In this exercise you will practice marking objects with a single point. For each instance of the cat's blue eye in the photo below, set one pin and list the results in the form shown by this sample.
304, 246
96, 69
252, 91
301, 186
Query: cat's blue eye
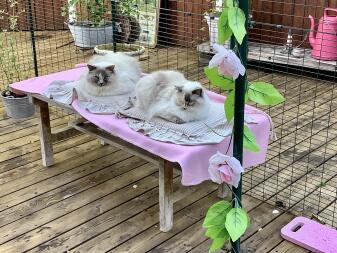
106, 79
96, 78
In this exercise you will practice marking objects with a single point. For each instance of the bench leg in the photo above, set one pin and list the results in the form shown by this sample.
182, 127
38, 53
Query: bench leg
166, 196
224, 192
45, 134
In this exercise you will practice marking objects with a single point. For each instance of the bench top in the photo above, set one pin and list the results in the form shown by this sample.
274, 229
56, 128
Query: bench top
193, 160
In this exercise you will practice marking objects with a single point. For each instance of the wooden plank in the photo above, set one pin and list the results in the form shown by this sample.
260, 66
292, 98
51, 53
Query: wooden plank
165, 195
288, 247
50, 192
33, 159
20, 125
142, 221
28, 130
22, 146
130, 202
45, 135
296, 187
151, 237
93, 130
17, 179
303, 140
194, 234
265, 239
43, 232
64, 133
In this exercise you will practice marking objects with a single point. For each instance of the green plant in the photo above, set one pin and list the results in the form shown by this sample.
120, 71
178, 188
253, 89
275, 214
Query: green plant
216, 8
9, 63
97, 10
225, 220
128, 7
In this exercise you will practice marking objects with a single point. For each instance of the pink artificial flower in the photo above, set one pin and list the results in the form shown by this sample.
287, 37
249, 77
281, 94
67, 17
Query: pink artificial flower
227, 61
225, 169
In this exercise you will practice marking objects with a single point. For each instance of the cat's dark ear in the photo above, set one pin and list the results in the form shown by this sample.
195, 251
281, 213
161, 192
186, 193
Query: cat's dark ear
179, 88
111, 68
91, 67
197, 92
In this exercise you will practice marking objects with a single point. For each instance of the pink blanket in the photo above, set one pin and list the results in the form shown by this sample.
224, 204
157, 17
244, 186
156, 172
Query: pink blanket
192, 159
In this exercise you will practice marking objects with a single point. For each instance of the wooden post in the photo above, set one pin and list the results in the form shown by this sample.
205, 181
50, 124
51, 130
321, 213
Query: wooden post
45, 133
165, 195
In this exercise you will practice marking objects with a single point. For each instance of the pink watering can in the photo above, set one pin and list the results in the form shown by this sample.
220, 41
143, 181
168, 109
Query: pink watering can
324, 42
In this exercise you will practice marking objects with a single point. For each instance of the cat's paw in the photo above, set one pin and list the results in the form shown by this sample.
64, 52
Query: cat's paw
178, 120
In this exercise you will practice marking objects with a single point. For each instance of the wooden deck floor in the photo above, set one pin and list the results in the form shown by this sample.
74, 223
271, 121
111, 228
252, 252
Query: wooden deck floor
98, 199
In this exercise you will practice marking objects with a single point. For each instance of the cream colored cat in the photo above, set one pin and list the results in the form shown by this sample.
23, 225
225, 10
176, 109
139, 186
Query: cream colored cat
109, 75
170, 96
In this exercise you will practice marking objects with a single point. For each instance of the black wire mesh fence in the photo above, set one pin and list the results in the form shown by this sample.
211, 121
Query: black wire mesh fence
300, 173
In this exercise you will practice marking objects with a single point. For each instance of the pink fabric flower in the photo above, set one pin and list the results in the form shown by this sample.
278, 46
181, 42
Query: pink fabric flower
225, 169
227, 61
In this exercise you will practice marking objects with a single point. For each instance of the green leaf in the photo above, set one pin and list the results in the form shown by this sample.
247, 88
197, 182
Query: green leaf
216, 214
224, 31
229, 106
229, 3
217, 244
223, 82
249, 140
218, 231
264, 94
237, 221
236, 20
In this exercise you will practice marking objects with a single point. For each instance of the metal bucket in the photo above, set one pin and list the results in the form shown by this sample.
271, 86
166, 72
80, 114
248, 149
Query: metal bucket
18, 108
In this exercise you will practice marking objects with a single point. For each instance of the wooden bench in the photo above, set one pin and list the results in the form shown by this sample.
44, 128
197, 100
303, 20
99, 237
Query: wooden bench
47, 138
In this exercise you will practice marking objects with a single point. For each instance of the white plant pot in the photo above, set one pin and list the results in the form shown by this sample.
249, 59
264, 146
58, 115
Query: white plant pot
212, 23
88, 37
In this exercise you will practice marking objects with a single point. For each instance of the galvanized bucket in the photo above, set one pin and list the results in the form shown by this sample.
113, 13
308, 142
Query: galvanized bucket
18, 108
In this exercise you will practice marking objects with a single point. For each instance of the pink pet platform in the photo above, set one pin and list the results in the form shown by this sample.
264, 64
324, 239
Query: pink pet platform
311, 235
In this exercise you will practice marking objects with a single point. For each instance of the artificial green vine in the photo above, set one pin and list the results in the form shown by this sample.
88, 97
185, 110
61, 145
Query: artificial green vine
224, 222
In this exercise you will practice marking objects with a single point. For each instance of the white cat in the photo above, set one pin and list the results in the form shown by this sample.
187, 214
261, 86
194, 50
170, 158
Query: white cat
170, 96
110, 75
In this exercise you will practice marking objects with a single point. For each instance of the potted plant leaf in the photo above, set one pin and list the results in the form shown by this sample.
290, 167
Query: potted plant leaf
212, 18
127, 30
17, 106
87, 22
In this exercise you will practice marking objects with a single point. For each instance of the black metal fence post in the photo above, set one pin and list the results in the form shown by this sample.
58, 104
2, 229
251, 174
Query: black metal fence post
32, 35
114, 4
239, 105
